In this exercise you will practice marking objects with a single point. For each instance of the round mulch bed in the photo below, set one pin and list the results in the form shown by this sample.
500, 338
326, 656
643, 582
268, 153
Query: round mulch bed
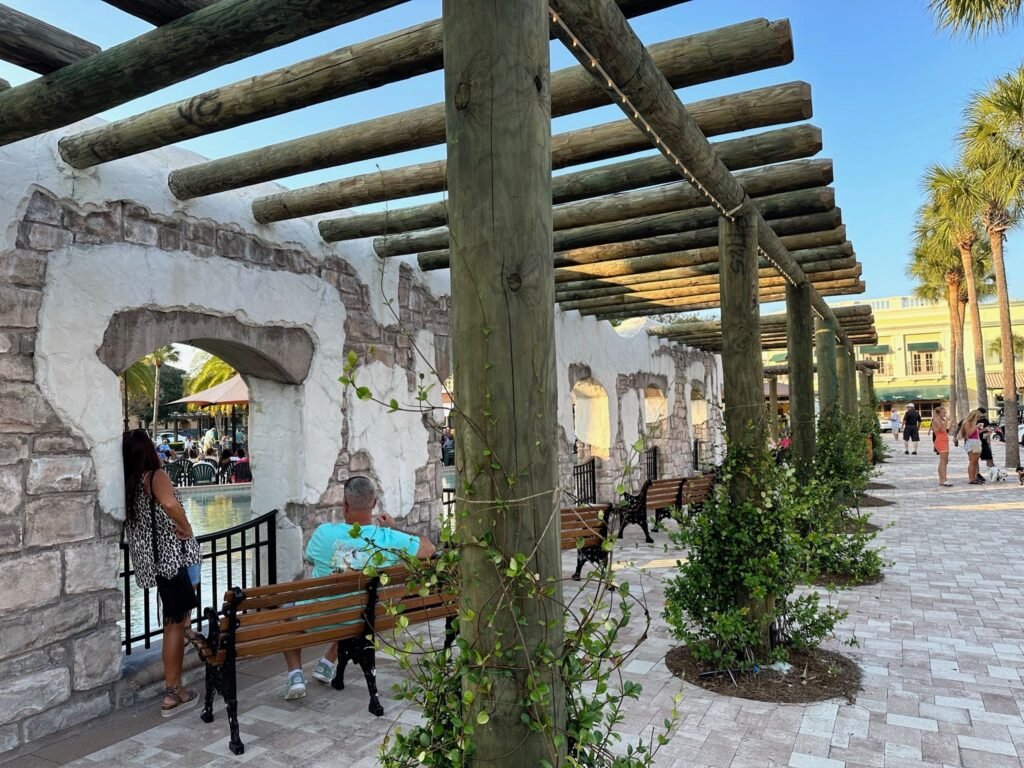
872, 501
816, 675
827, 580
881, 487
855, 525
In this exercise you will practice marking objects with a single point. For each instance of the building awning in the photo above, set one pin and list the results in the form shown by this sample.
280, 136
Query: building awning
878, 349
924, 346
779, 358
934, 392
995, 380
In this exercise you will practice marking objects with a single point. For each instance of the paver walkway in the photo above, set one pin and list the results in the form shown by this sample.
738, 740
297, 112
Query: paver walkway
941, 646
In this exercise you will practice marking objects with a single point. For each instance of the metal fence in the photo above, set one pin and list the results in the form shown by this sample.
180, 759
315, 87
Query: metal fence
651, 462
244, 555
585, 480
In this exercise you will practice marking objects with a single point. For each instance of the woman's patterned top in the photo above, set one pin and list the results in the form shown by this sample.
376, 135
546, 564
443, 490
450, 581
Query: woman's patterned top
170, 552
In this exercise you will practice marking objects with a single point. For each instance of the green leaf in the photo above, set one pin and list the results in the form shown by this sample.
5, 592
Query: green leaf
482, 717
363, 393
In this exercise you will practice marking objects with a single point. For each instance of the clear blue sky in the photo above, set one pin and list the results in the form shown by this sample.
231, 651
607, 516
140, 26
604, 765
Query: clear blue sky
888, 93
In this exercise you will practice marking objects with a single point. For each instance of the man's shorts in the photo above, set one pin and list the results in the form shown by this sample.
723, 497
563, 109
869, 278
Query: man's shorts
910, 433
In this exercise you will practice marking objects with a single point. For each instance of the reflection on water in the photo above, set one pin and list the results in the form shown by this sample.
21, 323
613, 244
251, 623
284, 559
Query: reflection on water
208, 511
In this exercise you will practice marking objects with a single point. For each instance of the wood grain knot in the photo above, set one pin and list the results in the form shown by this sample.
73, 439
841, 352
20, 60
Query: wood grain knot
515, 281
462, 95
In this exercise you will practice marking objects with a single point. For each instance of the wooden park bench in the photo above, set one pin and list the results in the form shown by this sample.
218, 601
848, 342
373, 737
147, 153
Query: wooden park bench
585, 530
347, 608
660, 497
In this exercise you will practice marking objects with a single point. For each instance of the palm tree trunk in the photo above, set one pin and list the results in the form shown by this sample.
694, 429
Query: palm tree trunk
156, 397
975, 311
955, 349
958, 360
1006, 352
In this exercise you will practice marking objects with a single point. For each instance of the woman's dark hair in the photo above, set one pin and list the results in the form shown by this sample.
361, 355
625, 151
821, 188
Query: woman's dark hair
140, 456
240, 453
225, 457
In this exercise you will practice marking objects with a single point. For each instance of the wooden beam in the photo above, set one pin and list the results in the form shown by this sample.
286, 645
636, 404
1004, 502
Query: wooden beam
786, 204
776, 146
359, 67
825, 359
854, 313
800, 356
38, 46
770, 296
226, 31
738, 112
505, 378
4, 85
160, 12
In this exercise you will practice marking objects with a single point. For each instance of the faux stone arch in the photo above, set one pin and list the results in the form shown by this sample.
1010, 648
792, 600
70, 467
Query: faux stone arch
137, 332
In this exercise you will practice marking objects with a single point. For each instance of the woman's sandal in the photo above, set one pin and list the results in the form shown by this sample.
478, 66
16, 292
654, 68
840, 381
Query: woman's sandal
183, 699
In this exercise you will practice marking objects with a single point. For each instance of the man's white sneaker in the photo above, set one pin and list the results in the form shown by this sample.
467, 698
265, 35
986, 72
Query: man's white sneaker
324, 671
295, 688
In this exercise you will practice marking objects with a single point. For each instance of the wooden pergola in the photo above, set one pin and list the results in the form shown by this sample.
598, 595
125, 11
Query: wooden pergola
694, 226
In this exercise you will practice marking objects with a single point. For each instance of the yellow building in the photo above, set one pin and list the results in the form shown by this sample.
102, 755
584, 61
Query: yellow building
913, 352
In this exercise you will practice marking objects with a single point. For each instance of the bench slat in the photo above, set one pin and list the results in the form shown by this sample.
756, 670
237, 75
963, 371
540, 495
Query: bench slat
300, 626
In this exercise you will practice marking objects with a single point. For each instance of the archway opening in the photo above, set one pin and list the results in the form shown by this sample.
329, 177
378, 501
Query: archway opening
591, 419
699, 426
655, 412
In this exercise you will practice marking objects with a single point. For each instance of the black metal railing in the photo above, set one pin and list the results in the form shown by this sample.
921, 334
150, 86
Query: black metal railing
448, 502
585, 480
651, 462
244, 555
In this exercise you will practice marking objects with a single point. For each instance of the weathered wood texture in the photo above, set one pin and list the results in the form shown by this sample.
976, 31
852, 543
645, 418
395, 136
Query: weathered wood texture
714, 302
845, 315
773, 406
784, 205
496, 75
226, 31
738, 112
355, 68
160, 12
38, 46
800, 357
847, 384
776, 146
825, 361
4, 85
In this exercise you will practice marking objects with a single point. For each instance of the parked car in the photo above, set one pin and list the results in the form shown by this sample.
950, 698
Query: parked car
884, 424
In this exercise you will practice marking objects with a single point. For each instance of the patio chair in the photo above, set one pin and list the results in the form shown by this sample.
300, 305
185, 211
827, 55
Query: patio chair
178, 471
241, 472
203, 474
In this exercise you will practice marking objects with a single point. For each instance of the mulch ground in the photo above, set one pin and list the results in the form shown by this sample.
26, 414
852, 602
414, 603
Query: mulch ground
816, 675
873, 501
881, 487
829, 580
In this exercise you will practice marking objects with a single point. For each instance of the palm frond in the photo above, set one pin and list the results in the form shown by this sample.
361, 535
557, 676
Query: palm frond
973, 18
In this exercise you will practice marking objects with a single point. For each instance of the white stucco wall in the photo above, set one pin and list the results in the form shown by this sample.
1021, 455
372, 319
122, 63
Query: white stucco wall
630, 410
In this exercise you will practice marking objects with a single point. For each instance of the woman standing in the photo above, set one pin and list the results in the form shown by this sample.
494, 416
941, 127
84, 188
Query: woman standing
940, 428
164, 553
970, 433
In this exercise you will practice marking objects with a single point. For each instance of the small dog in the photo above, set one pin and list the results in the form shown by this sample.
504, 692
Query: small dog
997, 475
1020, 474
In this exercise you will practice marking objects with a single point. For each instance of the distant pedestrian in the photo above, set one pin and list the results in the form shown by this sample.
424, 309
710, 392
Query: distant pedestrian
940, 429
970, 433
985, 433
911, 425
894, 423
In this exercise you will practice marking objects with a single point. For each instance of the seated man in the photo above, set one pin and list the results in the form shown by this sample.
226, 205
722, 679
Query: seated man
164, 450
334, 549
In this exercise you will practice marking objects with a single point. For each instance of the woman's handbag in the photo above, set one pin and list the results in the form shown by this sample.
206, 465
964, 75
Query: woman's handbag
177, 595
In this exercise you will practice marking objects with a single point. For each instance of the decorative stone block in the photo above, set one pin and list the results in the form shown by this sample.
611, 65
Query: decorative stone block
20, 267
11, 534
31, 694
90, 567
52, 474
51, 656
19, 306
169, 236
43, 626
28, 343
58, 444
9, 738
97, 658
16, 368
204, 232
29, 581
80, 710
231, 245
112, 606
96, 227
60, 518
141, 231
9, 342
13, 448
11, 496
44, 209
24, 409
42, 237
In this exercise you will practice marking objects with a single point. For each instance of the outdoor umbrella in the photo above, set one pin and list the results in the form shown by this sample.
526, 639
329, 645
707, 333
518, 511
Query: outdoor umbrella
231, 392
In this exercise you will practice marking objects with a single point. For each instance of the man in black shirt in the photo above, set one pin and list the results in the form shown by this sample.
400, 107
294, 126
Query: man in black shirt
911, 424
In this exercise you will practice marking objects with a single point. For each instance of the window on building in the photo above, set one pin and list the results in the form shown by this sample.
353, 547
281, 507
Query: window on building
880, 359
923, 362
927, 408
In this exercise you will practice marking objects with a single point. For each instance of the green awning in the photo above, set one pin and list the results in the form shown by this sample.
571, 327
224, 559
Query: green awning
933, 392
779, 358
924, 346
878, 349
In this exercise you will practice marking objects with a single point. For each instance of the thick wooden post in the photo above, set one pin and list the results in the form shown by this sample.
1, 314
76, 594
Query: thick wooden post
497, 110
847, 383
828, 378
864, 392
800, 356
773, 406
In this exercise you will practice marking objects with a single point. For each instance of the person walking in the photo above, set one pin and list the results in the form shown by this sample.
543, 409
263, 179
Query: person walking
165, 554
970, 433
911, 425
940, 429
894, 423
985, 433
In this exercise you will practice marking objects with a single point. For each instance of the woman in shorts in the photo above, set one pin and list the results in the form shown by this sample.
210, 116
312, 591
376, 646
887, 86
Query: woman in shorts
940, 429
970, 433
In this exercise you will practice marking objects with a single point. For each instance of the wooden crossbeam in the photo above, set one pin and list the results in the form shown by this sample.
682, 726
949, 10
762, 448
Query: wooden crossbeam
845, 316
787, 204
738, 112
160, 12
767, 148
352, 69
226, 31
38, 46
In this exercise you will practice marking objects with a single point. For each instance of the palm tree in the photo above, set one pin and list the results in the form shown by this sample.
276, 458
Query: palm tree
991, 141
995, 347
136, 381
209, 372
954, 196
156, 358
976, 17
937, 267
